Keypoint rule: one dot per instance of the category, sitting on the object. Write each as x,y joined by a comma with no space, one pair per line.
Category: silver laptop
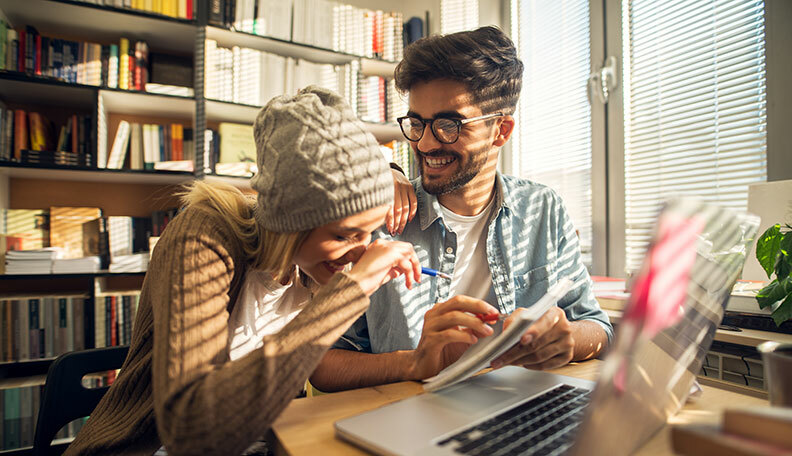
646,377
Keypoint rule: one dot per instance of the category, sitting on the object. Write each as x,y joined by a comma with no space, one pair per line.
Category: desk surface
307,424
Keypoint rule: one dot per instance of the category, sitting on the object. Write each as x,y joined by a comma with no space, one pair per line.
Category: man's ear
505,129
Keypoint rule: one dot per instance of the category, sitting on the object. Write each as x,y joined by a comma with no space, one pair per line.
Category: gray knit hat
316,161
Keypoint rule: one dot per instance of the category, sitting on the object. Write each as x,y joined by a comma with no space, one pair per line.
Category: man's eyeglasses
445,130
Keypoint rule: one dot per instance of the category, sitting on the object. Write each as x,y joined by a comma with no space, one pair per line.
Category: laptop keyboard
545,425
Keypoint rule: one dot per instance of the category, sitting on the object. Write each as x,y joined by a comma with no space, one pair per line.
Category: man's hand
449,329
547,344
405,205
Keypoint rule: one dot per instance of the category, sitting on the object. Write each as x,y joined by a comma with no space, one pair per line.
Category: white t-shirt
263,308
471,271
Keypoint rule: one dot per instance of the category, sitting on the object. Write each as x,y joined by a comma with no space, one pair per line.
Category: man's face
449,167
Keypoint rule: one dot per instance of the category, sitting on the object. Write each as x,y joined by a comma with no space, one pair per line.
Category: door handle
602,81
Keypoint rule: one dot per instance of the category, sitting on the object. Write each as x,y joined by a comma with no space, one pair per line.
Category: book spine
123,64
20,133
81,315
33,328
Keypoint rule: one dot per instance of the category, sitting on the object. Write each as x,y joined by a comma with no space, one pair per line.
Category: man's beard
465,173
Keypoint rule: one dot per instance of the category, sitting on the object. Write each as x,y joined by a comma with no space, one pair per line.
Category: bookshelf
123,192
126,192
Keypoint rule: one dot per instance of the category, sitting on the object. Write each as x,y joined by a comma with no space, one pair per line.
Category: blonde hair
263,249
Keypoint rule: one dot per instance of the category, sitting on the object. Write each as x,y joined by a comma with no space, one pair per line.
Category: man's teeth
438,162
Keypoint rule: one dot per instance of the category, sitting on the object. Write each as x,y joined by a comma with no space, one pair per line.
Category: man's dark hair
485,60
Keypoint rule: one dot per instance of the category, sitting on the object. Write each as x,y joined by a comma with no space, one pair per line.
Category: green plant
774,252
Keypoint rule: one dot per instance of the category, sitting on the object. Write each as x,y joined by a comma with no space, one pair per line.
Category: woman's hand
385,260
405,205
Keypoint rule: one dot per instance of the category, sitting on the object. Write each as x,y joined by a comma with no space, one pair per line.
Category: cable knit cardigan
177,386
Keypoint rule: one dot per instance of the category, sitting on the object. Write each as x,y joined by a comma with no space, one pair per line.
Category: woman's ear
505,129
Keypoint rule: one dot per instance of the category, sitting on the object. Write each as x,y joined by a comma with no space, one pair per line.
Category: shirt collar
429,206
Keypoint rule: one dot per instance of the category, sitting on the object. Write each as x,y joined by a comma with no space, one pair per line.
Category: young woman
243,297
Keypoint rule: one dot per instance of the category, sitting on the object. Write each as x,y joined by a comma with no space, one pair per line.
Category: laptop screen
677,301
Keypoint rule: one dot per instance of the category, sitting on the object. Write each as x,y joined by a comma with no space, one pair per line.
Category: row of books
401,153
24,133
252,77
49,325
148,145
20,407
114,315
41,326
123,65
76,240
230,150
183,9
322,23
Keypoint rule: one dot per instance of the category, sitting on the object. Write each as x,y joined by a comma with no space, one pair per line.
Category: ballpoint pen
491,318
434,273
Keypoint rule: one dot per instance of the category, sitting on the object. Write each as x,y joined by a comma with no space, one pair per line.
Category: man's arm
346,369
590,339
449,328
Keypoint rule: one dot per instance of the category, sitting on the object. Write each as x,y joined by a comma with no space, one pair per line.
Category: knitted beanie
317,163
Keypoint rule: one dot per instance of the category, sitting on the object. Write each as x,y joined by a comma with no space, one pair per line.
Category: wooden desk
306,426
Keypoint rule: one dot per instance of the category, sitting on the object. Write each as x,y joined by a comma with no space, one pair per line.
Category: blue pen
434,273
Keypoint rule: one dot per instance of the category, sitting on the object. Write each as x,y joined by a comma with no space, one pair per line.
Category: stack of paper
137,262
31,261
83,265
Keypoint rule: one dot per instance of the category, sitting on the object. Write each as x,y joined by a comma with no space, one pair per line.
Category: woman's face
329,248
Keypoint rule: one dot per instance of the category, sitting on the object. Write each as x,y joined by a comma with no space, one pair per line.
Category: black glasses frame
457,122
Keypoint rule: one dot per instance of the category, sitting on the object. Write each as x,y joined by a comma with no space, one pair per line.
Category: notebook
677,301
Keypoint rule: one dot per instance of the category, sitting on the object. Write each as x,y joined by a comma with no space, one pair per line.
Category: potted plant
774,252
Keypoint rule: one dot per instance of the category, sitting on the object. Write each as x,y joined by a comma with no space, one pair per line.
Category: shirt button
449,250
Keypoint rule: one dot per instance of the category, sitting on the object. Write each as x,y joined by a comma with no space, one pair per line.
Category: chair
65,399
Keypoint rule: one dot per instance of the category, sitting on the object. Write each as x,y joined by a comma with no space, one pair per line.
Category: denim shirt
531,244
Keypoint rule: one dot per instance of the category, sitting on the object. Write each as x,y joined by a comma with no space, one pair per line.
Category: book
20,133
40,132
66,229
136,146
120,145
710,440
174,165
479,355
25,229
167,89
237,144
772,425
123,64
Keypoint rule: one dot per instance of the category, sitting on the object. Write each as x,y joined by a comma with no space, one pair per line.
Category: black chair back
65,399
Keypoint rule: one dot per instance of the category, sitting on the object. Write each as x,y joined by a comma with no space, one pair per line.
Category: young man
503,240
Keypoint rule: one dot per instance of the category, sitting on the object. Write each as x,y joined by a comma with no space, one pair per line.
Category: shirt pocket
532,285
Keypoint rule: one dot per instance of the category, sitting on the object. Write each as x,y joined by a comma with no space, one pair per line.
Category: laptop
677,301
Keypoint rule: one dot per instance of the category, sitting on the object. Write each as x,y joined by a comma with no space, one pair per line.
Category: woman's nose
355,253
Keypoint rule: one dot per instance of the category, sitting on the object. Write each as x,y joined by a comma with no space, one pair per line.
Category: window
552,142
694,107
458,15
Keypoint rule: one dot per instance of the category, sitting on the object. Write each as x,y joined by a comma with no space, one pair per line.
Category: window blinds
458,15
694,107
552,142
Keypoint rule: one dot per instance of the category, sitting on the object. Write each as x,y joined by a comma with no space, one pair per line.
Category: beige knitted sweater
177,386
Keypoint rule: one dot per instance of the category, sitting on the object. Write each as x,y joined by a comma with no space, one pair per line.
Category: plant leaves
784,262
767,248
774,292
784,311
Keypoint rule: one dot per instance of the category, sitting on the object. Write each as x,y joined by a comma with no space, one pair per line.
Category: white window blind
458,15
552,142
694,107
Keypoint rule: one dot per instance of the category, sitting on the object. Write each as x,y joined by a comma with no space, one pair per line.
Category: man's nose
428,143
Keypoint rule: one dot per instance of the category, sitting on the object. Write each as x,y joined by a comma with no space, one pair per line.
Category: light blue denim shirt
531,244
